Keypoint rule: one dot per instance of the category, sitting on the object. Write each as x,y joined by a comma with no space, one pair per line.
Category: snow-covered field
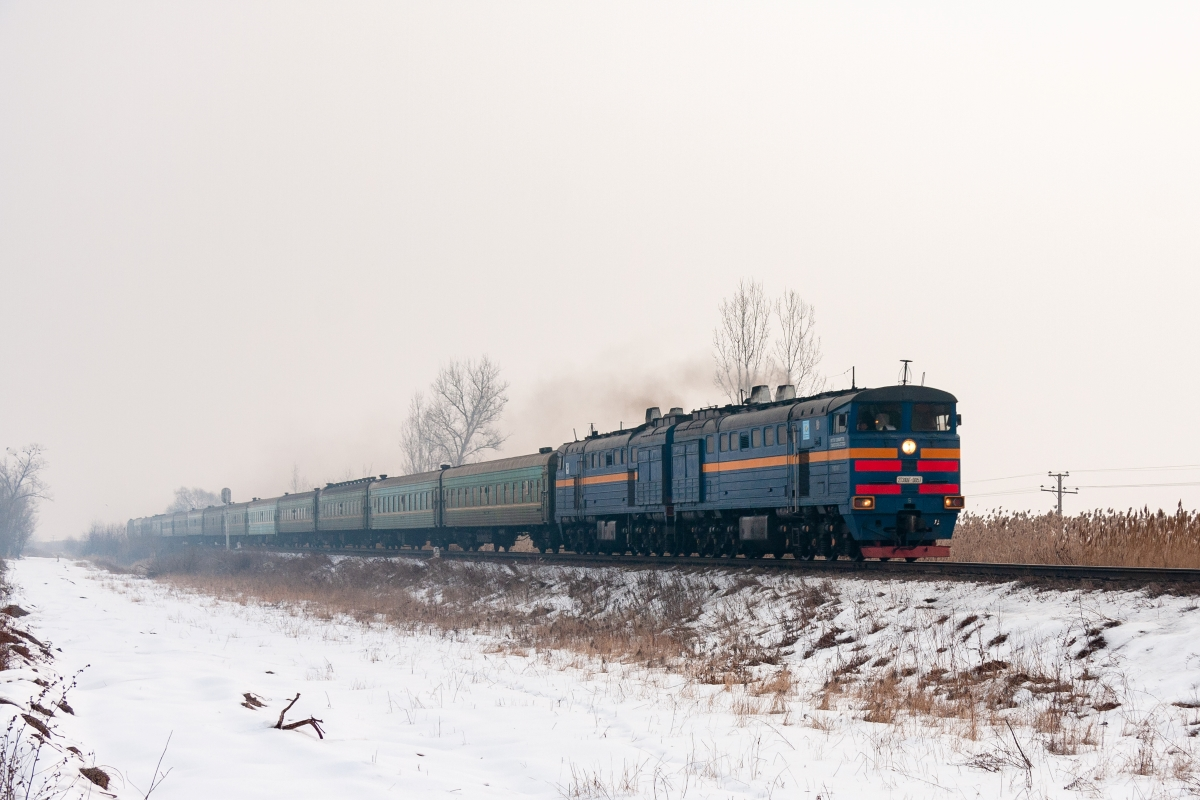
436,713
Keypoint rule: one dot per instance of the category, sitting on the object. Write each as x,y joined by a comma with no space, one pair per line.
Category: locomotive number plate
910,479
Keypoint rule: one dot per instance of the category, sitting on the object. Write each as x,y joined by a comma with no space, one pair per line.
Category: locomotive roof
770,412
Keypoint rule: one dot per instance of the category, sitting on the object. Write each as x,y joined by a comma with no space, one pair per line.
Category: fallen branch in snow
279,724
291,726
316,724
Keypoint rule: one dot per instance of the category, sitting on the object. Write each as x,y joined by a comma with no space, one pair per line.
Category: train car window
744,441
756,438
608,459
840,421
723,442
781,434
708,444
769,437
931,417
878,417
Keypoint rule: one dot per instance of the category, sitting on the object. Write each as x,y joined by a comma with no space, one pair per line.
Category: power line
1011,491
1141,469
1104,469
1136,485
1008,478
1090,486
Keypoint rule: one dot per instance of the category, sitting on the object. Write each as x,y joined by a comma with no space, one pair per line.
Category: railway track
956,570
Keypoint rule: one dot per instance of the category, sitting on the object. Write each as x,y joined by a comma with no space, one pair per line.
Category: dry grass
1099,538
648,620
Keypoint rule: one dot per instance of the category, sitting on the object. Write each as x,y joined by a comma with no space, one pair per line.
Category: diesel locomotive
855,473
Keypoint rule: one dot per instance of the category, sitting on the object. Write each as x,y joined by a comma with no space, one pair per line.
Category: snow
435,714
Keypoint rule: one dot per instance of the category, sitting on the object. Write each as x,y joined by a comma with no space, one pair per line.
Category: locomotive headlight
863,503
909,447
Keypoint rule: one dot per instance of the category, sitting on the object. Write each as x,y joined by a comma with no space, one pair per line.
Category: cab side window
840,421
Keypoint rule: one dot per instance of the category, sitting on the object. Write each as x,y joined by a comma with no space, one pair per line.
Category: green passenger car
496,501
404,510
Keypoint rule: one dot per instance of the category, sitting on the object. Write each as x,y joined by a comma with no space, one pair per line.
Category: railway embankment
1012,677
489,678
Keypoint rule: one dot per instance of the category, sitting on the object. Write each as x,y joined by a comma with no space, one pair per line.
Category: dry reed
1098,538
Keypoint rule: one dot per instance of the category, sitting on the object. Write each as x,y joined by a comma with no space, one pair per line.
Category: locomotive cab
903,458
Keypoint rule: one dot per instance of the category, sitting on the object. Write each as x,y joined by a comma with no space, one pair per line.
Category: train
855,473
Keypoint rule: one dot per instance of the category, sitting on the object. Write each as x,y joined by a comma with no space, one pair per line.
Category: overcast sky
236,237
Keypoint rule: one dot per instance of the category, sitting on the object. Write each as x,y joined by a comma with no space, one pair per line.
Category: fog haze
235,238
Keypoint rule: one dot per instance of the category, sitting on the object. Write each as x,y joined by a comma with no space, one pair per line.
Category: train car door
685,472
649,476
805,437
568,498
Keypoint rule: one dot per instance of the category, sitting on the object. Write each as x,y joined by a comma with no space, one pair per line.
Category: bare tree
740,341
186,499
21,489
469,397
458,423
798,349
298,483
420,450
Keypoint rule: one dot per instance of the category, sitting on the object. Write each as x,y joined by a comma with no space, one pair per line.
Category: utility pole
1058,488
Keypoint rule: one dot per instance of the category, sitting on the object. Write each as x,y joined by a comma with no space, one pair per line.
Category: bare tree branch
21,489
186,499
416,440
299,483
458,423
798,350
740,341
469,398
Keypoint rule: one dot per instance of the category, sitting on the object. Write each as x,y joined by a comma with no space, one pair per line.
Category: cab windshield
878,417
931,417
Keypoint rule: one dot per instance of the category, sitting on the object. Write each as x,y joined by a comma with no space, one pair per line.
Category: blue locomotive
857,473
